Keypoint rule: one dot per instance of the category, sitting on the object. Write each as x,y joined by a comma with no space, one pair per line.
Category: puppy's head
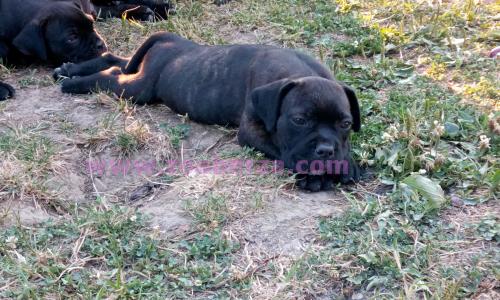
61,32
310,118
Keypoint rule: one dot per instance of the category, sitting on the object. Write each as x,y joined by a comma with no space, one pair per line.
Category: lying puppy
46,31
143,10
286,104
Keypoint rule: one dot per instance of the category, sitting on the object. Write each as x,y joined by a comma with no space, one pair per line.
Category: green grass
379,252
212,210
35,79
242,153
29,147
109,252
126,143
176,133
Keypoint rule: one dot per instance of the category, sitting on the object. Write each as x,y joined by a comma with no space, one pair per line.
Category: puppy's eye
72,38
346,124
299,121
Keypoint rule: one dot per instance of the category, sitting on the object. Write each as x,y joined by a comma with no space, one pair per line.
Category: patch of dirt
288,225
463,221
16,212
167,212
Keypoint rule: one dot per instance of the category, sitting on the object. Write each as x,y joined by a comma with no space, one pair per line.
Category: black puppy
285,103
143,10
45,31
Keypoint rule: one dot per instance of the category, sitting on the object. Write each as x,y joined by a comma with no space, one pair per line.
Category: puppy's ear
30,41
267,100
86,7
353,103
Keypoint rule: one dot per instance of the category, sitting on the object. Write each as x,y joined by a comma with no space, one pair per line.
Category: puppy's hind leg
101,63
135,87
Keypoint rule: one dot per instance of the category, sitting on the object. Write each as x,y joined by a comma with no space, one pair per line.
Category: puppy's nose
325,151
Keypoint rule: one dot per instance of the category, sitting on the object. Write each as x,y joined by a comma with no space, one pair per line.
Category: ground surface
423,223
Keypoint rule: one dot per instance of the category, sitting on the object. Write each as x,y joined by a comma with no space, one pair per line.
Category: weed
243,153
176,133
127,144
35,79
488,228
210,210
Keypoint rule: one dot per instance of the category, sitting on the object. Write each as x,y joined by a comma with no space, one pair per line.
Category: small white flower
484,142
20,258
422,171
133,218
11,242
438,130
98,275
393,129
387,137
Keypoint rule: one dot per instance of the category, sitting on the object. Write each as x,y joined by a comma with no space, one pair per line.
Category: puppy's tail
136,60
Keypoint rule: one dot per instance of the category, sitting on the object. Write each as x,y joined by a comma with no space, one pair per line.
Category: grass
176,133
103,252
35,79
28,158
426,226
211,211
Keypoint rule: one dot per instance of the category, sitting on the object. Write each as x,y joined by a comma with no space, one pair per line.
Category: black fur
46,31
6,91
285,103
143,10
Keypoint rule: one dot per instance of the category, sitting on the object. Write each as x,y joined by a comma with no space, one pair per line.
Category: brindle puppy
143,10
285,103
45,31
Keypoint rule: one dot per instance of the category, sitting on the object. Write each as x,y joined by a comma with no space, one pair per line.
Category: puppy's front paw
353,175
63,72
74,86
6,91
314,183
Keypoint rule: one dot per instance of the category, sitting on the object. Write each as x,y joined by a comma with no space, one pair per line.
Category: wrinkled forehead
69,15
317,97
